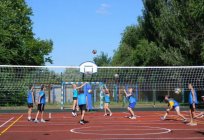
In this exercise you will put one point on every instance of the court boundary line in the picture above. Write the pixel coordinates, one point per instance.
(159, 128)
(6, 122)
(7, 128)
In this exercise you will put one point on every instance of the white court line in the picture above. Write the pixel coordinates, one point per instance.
(173, 138)
(7, 122)
(163, 131)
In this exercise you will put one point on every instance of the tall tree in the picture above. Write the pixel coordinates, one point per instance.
(17, 43)
(172, 29)
(102, 59)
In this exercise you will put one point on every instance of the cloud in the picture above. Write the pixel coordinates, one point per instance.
(103, 9)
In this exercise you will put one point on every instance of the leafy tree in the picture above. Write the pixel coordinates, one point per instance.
(102, 59)
(17, 43)
(170, 32)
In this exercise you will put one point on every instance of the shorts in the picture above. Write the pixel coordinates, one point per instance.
(191, 106)
(132, 105)
(74, 98)
(41, 107)
(30, 105)
(82, 107)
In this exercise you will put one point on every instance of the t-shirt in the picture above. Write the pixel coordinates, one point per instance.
(131, 99)
(42, 95)
(107, 98)
(81, 99)
(75, 93)
(29, 97)
(190, 98)
(173, 103)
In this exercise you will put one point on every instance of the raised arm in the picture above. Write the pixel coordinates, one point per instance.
(81, 85)
(127, 95)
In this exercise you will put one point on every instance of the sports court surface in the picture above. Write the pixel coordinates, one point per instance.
(62, 126)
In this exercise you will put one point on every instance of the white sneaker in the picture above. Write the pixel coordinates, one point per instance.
(111, 114)
(73, 114)
(36, 121)
(81, 122)
(162, 118)
(43, 121)
(133, 118)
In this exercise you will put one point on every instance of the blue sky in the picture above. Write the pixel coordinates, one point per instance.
(79, 26)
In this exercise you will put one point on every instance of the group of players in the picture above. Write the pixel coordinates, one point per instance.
(80, 102)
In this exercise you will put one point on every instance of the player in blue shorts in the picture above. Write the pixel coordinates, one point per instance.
(107, 102)
(193, 101)
(75, 95)
(82, 105)
(172, 105)
(132, 102)
(41, 104)
(30, 101)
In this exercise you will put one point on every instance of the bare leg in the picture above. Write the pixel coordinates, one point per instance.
(105, 110)
(82, 115)
(36, 117)
(131, 111)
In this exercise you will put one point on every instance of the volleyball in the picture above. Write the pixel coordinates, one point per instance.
(177, 90)
(94, 51)
(89, 91)
(116, 75)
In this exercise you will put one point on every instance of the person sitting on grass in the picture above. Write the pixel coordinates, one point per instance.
(172, 105)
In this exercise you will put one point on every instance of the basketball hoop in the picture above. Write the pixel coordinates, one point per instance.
(88, 68)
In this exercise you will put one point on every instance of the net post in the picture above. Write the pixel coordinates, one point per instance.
(62, 95)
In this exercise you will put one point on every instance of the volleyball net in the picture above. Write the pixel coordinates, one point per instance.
(150, 84)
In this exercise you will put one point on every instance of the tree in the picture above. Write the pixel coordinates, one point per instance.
(172, 29)
(17, 43)
(102, 59)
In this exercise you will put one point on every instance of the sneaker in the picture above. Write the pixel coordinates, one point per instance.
(73, 114)
(110, 114)
(133, 118)
(162, 118)
(130, 117)
(43, 121)
(36, 121)
(105, 115)
(184, 120)
(81, 122)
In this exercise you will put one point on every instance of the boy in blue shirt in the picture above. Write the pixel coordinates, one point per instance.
(132, 102)
(41, 104)
(30, 101)
(172, 104)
